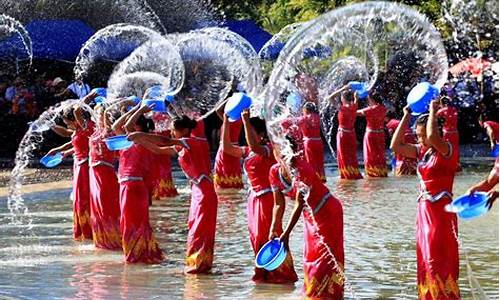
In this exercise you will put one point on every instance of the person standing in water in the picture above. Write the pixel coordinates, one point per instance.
(104, 188)
(228, 168)
(310, 127)
(449, 114)
(136, 185)
(323, 225)
(491, 128)
(404, 165)
(258, 159)
(79, 123)
(437, 245)
(203, 210)
(374, 140)
(346, 135)
(488, 185)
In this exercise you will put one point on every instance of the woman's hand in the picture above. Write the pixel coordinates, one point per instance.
(407, 110)
(245, 115)
(434, 106)
(492, 197)
(147, 108)
(53, 152)
(284, 238)
(472, 190)
(273, 234)
(67, 153)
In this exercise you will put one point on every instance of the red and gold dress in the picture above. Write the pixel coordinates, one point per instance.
(104, 195)
(374, 141)
(163, 183)
(323, 274)
(260, 213)
(310, 126)
(227, 167)
(346, 143)
(81, 189)
(203, 210)
(138, 241)
(437, 245)
(198, 133)
(404, 165)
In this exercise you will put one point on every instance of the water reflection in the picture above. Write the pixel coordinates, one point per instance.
(379, 234)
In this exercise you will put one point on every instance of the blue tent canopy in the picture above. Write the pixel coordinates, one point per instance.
(62, 40)
(51, 39)
(252, 32)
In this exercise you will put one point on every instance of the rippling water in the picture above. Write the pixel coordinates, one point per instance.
(379, 218)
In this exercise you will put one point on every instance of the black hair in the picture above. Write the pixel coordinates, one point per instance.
(184, 122)
(147, 125)
(259, 125)
(347, 95)
(445, 100)
(69, 113)
(310, 107)
(375, 95)
(422, 121)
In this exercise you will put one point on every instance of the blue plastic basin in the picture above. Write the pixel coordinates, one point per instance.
(494, 152)
(361, 88)
(159, 104)
(236, 104)
(119, 142)
(294, 101)
(420, 97)
(271, 255)
(51, 161)
(99, 99)
(100, 92)
(470, 206)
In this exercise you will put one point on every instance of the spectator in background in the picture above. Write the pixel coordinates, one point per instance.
(79, 88)
(21, 98)
(59, 89)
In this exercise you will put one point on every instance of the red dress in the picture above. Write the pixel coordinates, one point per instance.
(260, 213)
(310, 126)
(374, 141)
(404, 165)
(450, 129)
(437, 246)
(139, 243)
(163, 185)
(203, 210)
(346, 143)
(199, 133)
(104, 195)
(227, 167)
(323, 278)
(81, 189)
(494, 127)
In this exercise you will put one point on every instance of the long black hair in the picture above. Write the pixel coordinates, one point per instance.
(147, 125)
(259, 125)
(184, 122)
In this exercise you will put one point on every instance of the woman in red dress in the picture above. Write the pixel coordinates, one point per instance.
(138, 241)
(404, 165)
(450, 130)
(258, 159)
(228, 168)
(198, 133)
(491, 128)
(437, 246)
(374, 140)
(104, 190)
(203, 210)
(323, 226)
(82, 128)
(164, 186)
(347, 157)
(310, 127)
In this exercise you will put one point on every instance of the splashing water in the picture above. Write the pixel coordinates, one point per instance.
(31, 140)
(11, 27)
(113, 43)
(156, 62)
(397, 46)
(214, 66)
